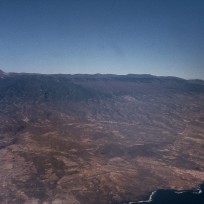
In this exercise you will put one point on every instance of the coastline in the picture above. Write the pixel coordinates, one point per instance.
(197, 190)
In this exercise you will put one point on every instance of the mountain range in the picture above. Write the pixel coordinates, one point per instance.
(98, 139)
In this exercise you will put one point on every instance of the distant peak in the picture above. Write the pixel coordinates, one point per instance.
(2, 74)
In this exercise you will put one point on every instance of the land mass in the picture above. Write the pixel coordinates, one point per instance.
(98, 139)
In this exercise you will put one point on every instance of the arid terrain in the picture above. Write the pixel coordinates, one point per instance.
(98, 139)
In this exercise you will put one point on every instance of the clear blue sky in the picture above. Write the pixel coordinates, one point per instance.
(159, 37)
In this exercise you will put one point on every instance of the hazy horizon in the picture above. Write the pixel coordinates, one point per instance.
(142, 74)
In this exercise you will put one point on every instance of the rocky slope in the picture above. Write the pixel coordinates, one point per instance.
(98, 139)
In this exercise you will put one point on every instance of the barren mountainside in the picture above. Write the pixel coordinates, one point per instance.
(98, 139)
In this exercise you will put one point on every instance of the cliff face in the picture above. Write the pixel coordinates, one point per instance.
(98, 138)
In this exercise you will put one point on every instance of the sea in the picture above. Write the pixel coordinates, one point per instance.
(168, 196)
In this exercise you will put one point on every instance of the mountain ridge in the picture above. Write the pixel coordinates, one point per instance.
(99, 75)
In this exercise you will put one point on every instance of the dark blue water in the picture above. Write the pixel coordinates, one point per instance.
(195, 196)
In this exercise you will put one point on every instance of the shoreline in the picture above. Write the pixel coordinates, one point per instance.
(194, 190)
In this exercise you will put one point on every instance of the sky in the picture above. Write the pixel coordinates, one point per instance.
(158, 37)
